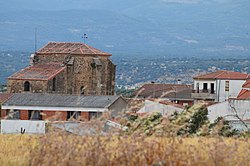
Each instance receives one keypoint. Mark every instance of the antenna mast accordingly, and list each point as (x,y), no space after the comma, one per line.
(35,39)
(84,37)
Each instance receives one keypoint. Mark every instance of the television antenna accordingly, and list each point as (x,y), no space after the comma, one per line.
(84,37)
(35,38)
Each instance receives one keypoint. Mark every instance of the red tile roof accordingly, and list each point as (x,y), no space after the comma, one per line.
(39,72)
(246,84)
(4,97)
(70,48)
(179,91)
(224,74)
(244,94)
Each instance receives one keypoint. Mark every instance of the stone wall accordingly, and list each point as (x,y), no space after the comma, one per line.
(17,86)
(84,74)
(59,82)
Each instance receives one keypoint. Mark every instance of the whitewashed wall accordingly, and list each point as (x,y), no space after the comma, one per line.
(235,87)
(15,126)
(225,109)
(151,106)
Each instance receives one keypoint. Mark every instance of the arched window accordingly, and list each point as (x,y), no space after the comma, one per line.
(26,86)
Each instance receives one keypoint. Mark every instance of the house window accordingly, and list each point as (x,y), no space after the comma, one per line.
(13,114)
(35,115)
(227,86)
(212,88)
(54,84)
(204,87)
(94,115)
(73,115)
(26,86)
(197,87)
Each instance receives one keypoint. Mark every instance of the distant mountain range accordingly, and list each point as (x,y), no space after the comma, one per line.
(142,28)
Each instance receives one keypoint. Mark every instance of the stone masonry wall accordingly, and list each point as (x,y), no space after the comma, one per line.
(17,86)
(83,76)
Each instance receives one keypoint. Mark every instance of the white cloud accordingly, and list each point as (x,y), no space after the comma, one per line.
(189,41)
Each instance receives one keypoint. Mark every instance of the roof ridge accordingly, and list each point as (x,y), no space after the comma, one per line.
(223,71)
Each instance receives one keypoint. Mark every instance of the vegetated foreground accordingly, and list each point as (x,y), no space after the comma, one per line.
(64,149)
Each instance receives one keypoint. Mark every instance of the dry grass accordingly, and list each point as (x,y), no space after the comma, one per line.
(64,149)
(15,149)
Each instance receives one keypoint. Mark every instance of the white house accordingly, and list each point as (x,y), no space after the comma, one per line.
(218,86)
(163,107)
(235,110)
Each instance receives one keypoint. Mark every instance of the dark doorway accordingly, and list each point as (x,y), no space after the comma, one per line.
(212,88)
(204,87)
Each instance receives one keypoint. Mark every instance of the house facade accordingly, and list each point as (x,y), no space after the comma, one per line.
(66,68)
(218,86)
(56,107)
(234,110)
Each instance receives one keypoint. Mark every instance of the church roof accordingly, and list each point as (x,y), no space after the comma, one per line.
(70,48)
(39,72)
(224,74)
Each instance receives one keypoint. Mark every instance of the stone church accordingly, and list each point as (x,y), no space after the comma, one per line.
(66,68)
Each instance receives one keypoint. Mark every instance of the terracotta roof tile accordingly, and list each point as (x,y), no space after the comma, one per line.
(244,94)
(70,48)
(224,74)
(38,72)
(246,84)
(4,97)
(173,91)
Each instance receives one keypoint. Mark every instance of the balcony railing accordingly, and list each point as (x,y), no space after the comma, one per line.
(205,94)
(204,91)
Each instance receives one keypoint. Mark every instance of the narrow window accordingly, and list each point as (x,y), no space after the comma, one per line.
(197,87)
(227,86)
(26,86)
(54,84)
(35,115)
(82,90)
(94,115)
(13,114)
(73,115)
